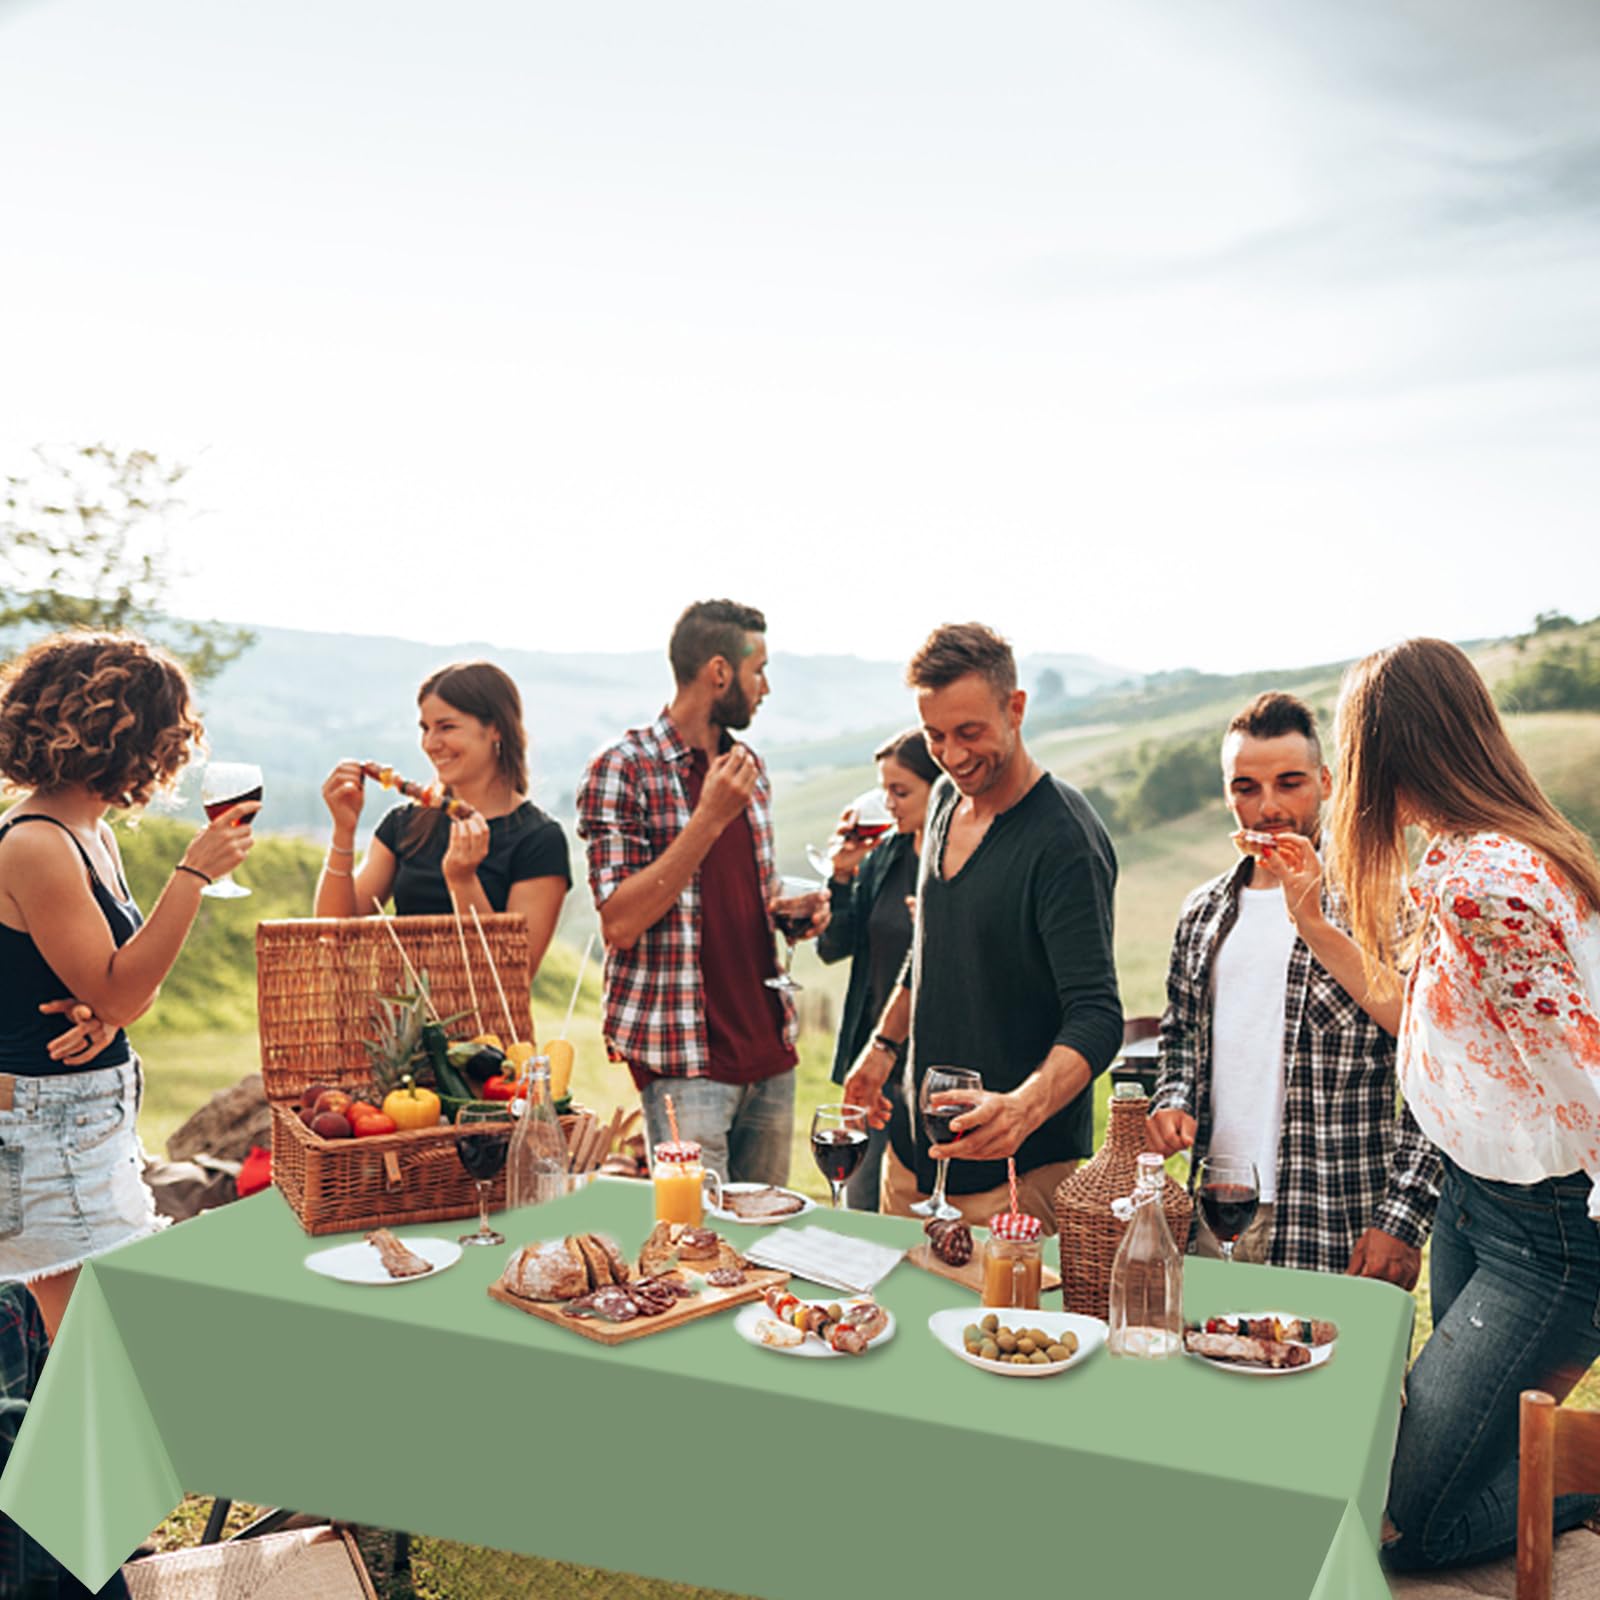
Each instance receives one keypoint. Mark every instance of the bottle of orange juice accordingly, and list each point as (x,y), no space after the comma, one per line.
(680,1178)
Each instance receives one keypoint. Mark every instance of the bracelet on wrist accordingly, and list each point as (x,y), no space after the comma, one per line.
(334,872)
(340,850)
(881,1041)
(194,872)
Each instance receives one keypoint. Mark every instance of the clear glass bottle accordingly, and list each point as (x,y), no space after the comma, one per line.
(536,1163)
(1147,1274)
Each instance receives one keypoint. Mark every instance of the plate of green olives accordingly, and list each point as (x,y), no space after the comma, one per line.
(1018,1343)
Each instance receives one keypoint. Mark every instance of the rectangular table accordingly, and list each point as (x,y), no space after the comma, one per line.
(209,1358)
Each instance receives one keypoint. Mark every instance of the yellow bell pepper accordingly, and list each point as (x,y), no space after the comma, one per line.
(411,1107)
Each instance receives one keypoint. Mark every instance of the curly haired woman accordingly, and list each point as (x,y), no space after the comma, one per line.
(87,721)
(1499,1061)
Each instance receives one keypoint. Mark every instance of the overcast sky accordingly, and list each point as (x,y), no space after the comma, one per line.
(1226,333)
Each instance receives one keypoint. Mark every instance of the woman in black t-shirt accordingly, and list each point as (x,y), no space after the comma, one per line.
(869,888)
(509,856)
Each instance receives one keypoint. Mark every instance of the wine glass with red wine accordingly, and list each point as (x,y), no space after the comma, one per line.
(799,900)
(839,1142)
(1230,1194)
(227,784)
(937,1119)
(871,821)
(483,1155)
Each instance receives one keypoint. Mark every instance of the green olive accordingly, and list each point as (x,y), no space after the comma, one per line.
(1039,1359)
(1006,1340)
(989,1350)
(1058,1352)
(972,1333)
(1040,1337)
(991,1323)
(1026,1345)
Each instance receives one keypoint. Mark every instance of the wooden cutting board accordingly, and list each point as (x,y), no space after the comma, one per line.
(971,1275)
(757,1280)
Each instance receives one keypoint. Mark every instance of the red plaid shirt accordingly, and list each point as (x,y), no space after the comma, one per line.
(632,804)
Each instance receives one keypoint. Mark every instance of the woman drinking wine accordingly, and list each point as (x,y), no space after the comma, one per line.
(870,886)
(87,722)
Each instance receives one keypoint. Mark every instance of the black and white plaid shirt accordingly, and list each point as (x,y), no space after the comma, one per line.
(1349,1158)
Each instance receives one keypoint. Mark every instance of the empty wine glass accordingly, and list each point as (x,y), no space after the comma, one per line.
(937,1120)
(227,784)
(799,900)
(483,1155)
(1230,1194)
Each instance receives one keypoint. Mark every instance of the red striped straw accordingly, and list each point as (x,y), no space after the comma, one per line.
(1011,1174)
(672,1118)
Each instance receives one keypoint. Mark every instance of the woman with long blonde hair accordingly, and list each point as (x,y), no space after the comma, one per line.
(1499,1061)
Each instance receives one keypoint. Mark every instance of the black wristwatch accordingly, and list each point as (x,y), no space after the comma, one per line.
(881,1041)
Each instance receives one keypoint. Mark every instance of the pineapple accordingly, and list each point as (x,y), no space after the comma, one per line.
(396,1040)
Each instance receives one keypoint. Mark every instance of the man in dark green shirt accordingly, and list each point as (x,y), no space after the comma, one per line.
(1011,971)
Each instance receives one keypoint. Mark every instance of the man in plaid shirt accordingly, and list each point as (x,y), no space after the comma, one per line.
(1274,1046)
(677,818)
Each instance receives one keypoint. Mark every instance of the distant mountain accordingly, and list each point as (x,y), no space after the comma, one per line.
(297,702)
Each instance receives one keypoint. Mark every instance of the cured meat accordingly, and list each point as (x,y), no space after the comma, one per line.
(398,1261)
(759,1205)
(1247,1352)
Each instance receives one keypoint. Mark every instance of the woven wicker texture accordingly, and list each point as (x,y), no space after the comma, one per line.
(1090,1232)
(315,982)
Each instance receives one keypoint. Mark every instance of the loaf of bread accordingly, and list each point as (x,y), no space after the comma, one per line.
(551,1269)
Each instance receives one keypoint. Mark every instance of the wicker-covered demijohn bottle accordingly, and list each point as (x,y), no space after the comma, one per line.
(1089,1230)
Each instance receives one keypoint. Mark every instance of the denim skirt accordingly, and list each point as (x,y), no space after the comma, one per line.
(71,1183)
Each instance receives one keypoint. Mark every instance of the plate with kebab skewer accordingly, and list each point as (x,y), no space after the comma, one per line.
(1261,1344)
(795,1327)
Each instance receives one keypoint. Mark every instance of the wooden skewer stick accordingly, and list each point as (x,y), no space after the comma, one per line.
(466,961)
(384,918)
(500,988)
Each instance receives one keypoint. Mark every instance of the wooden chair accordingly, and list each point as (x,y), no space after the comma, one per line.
(1560,1454)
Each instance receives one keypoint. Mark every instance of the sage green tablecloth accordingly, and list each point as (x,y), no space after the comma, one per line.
(208,1358)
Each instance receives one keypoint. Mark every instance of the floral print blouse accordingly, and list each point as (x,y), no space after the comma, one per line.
(1499,1052)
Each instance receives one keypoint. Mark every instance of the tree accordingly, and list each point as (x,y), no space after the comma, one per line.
(1049,687)
(83,544)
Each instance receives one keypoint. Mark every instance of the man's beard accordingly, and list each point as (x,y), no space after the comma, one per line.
(732,709)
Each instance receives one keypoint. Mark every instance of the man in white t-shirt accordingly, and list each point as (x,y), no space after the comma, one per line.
(1274,1049)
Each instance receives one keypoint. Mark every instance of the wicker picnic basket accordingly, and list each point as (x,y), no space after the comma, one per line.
(315,981)
(1089,1229)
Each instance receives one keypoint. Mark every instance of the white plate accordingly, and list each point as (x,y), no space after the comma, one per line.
(1320,1353)
(947,1326)
(806,1204)
(360,1262)
(812,1347)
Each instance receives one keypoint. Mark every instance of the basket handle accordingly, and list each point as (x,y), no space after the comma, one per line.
(393,1182)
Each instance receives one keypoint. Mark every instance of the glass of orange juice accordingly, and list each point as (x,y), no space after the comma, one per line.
(680,1178)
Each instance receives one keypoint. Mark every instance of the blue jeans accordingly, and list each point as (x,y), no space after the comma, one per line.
(1516,1305)
(745,1130)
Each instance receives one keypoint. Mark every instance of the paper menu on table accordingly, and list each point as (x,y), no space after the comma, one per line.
(823,1256)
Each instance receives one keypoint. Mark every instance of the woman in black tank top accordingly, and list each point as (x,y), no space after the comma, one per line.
(87,722)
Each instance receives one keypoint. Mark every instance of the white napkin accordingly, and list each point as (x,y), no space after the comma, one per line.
(823,1256)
